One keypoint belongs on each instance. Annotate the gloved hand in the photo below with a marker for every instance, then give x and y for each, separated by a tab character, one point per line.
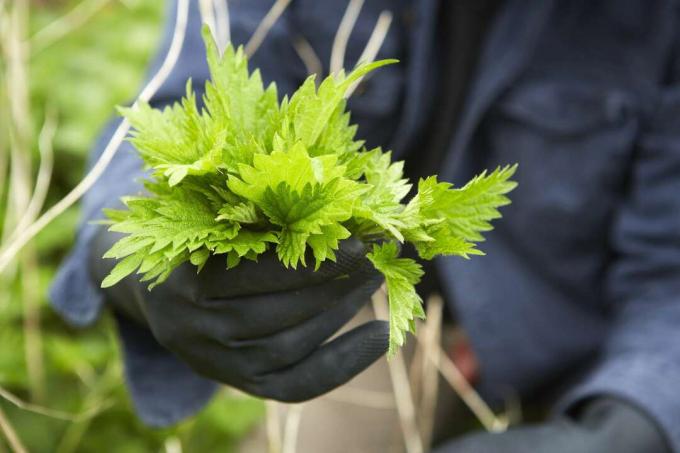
603	425
258	327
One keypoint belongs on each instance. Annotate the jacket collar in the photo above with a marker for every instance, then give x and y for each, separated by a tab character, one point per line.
510	43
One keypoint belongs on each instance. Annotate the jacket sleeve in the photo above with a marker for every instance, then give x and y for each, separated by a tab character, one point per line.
164	390
640	361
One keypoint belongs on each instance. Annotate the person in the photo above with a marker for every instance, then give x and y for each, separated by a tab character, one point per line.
577	301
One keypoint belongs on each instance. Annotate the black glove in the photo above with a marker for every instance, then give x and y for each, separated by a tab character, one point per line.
603	425
258	327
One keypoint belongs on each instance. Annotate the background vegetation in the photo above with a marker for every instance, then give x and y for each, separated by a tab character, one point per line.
76	61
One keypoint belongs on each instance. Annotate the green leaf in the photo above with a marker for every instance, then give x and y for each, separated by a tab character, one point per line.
243	212
326	242
291	248
401	276
454	219
311	109
125	267
199	257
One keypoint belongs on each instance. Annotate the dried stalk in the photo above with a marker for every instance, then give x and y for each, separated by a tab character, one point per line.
44	172
429	377
265	25
292	427
19	197
400	384
215	14
273	425
19	126
222	22
375	42
309	58
205	7
465	391
64	25
378	35
33	345
17	69
342	35
47	412
10	251
11	435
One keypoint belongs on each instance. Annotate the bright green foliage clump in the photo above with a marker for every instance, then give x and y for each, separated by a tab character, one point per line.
248	174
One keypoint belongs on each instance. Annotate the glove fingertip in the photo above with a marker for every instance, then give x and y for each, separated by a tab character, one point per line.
350	256
374	344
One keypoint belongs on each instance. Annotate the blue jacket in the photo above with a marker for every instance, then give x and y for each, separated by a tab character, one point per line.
585	266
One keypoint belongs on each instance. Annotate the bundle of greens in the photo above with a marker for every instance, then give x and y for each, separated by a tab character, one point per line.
248	173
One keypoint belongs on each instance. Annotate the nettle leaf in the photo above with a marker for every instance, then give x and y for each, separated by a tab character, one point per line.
245	243
242	212
401	276
451	221
326	242
311	108
248	174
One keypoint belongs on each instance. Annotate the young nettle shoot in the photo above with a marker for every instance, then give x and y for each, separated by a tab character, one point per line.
247	174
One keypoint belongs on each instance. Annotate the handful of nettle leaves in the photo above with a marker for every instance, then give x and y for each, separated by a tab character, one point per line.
248	173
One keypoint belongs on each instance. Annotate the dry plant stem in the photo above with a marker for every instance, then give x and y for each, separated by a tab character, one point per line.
342	35
10	251
4	151
417	364
18	204
19	186
64	25
401	387
309	58
375	42
429	376
265	25
40	410
465	391
10	434
16	130
19	127
222	22
273	425
3	166
44	172
33	344
205	7
215	14
17	70
292	427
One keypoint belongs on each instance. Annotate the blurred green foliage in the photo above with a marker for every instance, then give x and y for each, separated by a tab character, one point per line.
83	76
